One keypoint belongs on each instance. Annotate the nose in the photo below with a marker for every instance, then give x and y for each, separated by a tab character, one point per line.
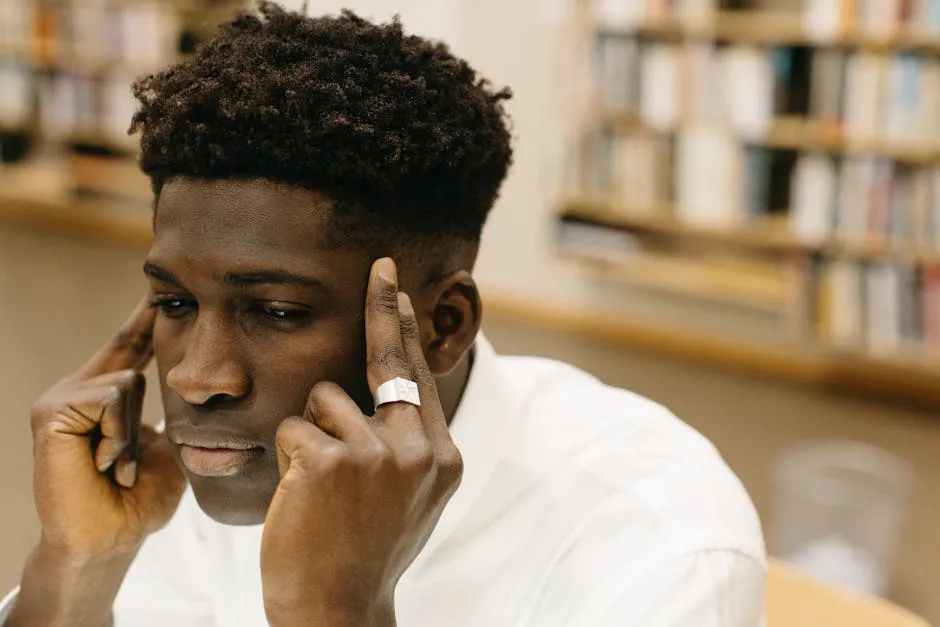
210	371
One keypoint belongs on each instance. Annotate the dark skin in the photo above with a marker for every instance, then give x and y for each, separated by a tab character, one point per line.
256	319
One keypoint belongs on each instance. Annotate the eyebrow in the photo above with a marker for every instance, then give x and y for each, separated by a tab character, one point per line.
241	279
156	272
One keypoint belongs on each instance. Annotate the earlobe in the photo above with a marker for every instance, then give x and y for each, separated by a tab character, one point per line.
454	322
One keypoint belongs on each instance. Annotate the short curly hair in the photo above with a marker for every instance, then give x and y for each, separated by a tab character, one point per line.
394	129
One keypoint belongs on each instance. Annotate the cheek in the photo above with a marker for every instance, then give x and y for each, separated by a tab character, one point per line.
168	347
293	364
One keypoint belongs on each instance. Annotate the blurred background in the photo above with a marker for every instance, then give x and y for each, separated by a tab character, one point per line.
732	207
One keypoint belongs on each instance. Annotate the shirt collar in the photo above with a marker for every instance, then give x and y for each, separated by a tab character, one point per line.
486	408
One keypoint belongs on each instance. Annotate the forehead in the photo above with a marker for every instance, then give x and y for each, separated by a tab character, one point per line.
250	222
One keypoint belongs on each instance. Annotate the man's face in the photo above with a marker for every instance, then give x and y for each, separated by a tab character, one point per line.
257	304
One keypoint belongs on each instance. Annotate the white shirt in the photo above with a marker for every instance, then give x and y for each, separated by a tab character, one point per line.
581	505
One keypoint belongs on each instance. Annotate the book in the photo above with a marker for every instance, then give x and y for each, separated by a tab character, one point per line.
617	70
15	92
617	14
659	87
903	97
864	96
911	287
853	206
827	85
749	76
883	308
640	171
709	175
845	325
757	200
814	187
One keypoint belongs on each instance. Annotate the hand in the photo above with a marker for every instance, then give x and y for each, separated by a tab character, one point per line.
359	495
103	481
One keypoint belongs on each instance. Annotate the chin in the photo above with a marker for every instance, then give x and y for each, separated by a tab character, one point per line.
232	502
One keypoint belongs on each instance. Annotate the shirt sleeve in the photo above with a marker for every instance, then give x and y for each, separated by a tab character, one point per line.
710	588
6	606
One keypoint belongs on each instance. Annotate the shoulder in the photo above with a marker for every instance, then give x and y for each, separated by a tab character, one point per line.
665	481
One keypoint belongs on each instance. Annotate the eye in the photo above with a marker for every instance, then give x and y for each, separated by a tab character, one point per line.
282	313
174	307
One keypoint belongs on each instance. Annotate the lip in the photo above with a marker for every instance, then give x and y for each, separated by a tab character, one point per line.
217	461
214	454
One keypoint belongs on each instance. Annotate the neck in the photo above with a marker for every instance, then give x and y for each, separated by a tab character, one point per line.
450	387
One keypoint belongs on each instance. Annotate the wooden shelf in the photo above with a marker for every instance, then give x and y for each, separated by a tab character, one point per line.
39	204
771	236
729	282
795	133
900	379
761	28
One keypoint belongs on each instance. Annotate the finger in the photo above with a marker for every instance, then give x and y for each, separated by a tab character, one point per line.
125	467
160	482
432	417
385	355
119	418
337	415
130	348
94	416
298	440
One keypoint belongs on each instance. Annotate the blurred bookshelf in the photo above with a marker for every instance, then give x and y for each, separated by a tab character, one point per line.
66	66
781	162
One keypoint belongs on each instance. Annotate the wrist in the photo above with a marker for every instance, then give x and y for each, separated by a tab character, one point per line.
331	615
60	588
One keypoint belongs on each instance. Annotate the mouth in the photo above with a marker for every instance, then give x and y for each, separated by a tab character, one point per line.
217	462
222	457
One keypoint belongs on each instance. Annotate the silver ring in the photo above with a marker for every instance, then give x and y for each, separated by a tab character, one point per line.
397	390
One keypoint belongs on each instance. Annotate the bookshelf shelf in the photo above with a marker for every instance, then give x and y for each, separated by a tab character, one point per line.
726	283
769	234
800	134
121	222
761	28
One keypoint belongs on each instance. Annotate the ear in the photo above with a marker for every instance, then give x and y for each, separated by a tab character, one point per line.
450	318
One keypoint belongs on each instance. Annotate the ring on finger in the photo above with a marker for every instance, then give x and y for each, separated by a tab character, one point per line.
397	390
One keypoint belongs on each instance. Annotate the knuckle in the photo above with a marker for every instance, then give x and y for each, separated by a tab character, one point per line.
384	358
420	456
113	395
337	458
40	413
132	378
385	301
289	430
321	393
423	377
409	325
450	464
375	456
132	339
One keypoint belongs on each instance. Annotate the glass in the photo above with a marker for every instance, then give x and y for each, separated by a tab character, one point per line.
838	511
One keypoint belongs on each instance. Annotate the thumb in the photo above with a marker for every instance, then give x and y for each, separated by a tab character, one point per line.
160	482
298	442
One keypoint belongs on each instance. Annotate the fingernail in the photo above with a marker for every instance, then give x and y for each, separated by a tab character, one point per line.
385	268
126	474
103	467
404	305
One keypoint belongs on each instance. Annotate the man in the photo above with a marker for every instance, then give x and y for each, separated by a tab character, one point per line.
342	447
